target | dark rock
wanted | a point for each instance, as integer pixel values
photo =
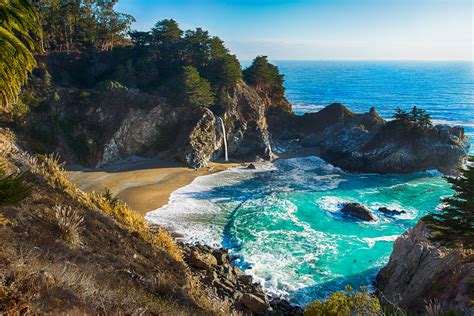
(254, 303)
(358, 211)
(251, 166)
(245, 279)
(390, 212)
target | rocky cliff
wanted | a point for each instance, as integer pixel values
(96, 128)
(368, 143)
(421, 273)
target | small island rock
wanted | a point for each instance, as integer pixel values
(358, 211)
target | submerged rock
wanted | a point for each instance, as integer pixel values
(390, 212)
(420, 272)
(358, 211)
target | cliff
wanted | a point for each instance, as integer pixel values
(368, 143)
(96, 128)
(422, 273)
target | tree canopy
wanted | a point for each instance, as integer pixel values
(196, 91)
(79, 24)
(20, 38)
(265, 76)
(416, 115)
(454, 224)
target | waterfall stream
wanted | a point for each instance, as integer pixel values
(225, 138)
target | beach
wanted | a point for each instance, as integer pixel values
(143, 184)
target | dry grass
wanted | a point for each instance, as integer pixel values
(69, 221)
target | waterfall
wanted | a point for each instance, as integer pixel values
(225, 138)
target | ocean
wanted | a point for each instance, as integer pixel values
(282, 221)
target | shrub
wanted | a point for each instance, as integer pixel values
(112, 200)
(109, 85)
(13, 187)
(69, 221)
(342, 304)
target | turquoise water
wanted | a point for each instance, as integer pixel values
(282, 221)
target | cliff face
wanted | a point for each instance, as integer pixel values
(420, 272)
(367, 143)
(97, 128)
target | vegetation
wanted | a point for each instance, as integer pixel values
(196, 91)
(13, 187)
(265, 77)
(342, 304)
(454, 224)
(82, 24)
(416, 116)
(20, 38)
(69, 221)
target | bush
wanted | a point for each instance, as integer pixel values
(109, 85)
(69, 221)
(342, 304)
(13, 187)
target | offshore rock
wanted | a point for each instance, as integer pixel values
(358, 211)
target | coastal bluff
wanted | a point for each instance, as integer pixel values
(421, 272)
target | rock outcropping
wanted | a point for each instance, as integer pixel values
(101, 127)
(226, 281)
(368, 143)
(421, 272)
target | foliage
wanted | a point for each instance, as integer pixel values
(109, 85)
(13, 187)
(166, 30)
(265, 76)
(416, 116)
(112, 200)
(196, 91)
(341, 304)
(454, 224)
(20, 38)
(69, 221)
(78, 24)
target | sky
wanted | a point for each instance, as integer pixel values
(323, 29)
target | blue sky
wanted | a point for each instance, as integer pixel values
(324, 29)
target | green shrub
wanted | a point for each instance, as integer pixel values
(109, 85)
(13, 187)
(342, 304)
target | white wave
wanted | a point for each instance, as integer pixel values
(372, 240)
(307, 108)
(454, 123)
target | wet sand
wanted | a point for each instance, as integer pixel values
(144, 185)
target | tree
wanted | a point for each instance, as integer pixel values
(166, 30)
(196, 91)
(454, 224)
(198, 48)
(20, 38)
(401, 115)
(265, 76)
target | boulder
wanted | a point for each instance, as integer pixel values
(390, 212)
(203, 261)
(254, 303)
(251, 166)
(358, 211)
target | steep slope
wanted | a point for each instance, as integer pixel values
(422, 273)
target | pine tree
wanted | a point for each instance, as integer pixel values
(265, 76)
(196, 91)
(401, 115)
(455, 223)
(20, 38)
(166, 30)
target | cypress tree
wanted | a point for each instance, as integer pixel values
(196, 91)
(455, 223)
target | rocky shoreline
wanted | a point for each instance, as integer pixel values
(226, 281)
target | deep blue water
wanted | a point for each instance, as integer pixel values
(283, 220)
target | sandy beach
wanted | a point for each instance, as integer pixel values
(144, 185)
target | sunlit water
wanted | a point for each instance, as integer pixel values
(283, 221)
